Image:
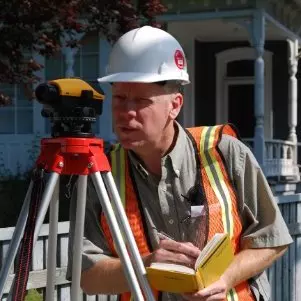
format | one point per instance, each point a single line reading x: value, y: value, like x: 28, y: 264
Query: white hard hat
x: 146, y: 55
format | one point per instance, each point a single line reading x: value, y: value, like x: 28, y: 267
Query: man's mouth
x: 127, y: 130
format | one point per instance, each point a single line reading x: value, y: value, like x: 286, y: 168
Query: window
x: 16, y: 118
x: 234, y: 68
x: 240, y: 68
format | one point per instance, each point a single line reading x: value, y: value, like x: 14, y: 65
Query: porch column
x: 258, y: 39
x: 69, y: 54
x: 293, y: 89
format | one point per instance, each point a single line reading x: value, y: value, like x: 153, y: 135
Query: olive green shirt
x: 168, y: 206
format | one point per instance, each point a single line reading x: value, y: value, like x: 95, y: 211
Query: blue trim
x: 287, y: 31
x: 16, y: 138
x: 205, y: 15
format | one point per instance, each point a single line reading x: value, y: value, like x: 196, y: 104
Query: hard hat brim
x: 142, y: 78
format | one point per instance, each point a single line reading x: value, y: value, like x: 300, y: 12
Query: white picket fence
x: 284, y: 275
x: 37, y: 276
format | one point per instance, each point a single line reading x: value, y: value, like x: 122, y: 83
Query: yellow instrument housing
x: 73, y: 87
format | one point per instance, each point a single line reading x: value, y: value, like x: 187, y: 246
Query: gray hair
x: 172, y: 86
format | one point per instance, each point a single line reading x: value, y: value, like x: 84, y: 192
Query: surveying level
x: 72, y: 105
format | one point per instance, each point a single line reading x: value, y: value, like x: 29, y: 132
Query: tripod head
x: 72, y: 105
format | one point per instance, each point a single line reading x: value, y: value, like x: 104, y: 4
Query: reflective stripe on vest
x: 123, y: 181
x: 119, y: 160
x: 218, y: 189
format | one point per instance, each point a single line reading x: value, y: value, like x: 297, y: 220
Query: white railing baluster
x: 280, y: 158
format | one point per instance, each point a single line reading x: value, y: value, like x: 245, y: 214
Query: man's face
x: 141, y: 112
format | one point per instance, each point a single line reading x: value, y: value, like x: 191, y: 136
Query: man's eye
x: 144, y: 101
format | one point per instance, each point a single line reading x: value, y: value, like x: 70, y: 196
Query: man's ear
x: 176, y: 103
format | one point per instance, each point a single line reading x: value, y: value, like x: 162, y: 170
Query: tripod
x: 83, y: 157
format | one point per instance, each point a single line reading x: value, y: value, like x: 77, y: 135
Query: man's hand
x: 246, y: 264
x: 171, y: 251
x: 217, y: 291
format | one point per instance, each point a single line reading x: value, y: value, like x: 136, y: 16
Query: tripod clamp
x: 73, y: 156
x: 83, y: 157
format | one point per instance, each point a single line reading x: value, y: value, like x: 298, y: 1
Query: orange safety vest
x: 219, y: 193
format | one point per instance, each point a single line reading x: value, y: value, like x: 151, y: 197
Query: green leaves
x: 28, y: 26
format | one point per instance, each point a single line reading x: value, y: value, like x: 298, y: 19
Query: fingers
x: 185, y: 248
x: 214, y: 292
x: 171, y: 251
x: 163, y: 255
x: 218, y: 287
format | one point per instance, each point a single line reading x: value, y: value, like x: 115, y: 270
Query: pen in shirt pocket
x: 163, y: 235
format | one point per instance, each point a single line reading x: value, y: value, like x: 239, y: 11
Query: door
x: 235, y: 80
x: 241, y: 108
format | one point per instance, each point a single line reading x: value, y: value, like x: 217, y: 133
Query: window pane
x: 6, y: 121
x: 90, y: 43
x: 90, y: 67
x: 24, y: 122
x: 8, y: 90
x: 53, y: 67
x: 240, y: 68
x: 47, y: 126
x: 6, y: 87
x: 22, y: 97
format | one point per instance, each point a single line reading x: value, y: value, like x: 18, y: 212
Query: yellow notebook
x: 210, y: 265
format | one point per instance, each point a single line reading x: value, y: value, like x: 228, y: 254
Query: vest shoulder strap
x: 207, y: 137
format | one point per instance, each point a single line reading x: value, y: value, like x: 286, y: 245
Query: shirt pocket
x: 199, y: 223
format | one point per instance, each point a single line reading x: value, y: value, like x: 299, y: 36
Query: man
x: 186, y: 184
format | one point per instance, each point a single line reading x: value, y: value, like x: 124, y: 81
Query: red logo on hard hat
x: 179, y: 59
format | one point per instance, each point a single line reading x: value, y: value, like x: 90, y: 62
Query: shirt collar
x: 137, y: 163
x: 176, y: 155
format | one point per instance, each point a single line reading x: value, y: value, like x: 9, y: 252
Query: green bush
x: 33, y: 295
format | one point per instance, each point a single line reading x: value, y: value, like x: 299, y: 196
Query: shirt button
x: 171, y: 221
x: 177, y: 172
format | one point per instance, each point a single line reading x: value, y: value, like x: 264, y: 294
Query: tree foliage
x: 37, y: 26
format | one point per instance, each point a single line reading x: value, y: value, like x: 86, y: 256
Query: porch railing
x: 281, y: 158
